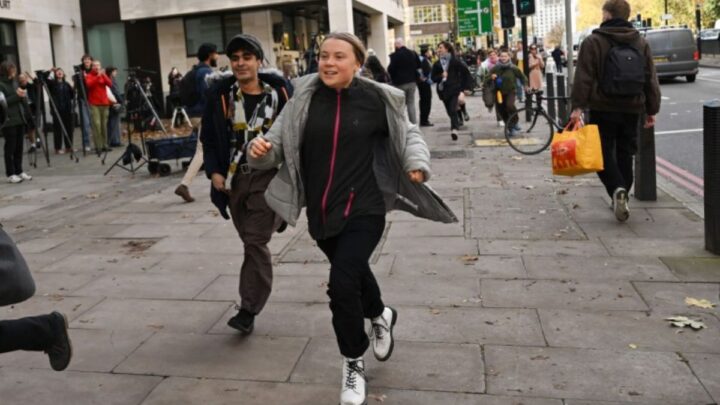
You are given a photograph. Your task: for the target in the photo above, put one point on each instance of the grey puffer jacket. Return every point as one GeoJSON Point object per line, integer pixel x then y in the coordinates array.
{"type": "Point", "coordinates": [403, 151]}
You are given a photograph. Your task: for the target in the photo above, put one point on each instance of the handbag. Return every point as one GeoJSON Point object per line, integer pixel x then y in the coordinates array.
{"type": "Point", "coordinates": [577, 150]}
{"type": "Point", "coordinates": [16, 282]}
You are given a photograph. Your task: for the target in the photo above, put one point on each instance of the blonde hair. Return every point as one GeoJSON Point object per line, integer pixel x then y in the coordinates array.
{"type": "Point", "coordinates": [357, 45]}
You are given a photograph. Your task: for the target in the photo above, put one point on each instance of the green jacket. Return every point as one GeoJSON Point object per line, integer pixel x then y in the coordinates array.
{"type": "Point", "coordinates": [510, 75]}
{"type": "Point", "coordinates": [14, 102]}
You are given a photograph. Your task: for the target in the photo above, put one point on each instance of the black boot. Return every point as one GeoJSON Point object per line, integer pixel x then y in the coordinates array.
{"type": "Point", "coordinates": [244, 321]}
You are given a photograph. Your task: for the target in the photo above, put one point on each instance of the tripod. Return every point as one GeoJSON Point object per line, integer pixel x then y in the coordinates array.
{"type": "Point", "coordinates": [56, 116]}
{"type": "Point", "coordinates": [38, 121]}
{"type": "Point", "coordinates": [180, 110]}
{"type": "Point", "coordinates": [81, 101]}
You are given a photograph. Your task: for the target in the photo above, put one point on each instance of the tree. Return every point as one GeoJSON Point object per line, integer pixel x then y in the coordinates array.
{"type": "Point", "coordinates": [555, 35]}
{"type": "Point", "coordinates": [711, 12]}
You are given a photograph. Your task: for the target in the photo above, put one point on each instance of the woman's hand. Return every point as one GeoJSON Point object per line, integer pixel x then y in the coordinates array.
{"type": "Point", "coordinates": [20, 92]}
{"type": "Point", "coordinates": [218, 183]}
{"type": "Point", "coordinates": [260, 147]}
{"type": "Point", "coordinates": [416, 176]}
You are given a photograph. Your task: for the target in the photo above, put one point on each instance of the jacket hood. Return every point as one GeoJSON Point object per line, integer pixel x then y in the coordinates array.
{"type": "Point", "coordinates": [619, 30]}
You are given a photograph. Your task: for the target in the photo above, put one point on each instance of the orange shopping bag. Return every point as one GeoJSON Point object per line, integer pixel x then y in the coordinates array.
{"type": "Point", "coordinates": [577, 150]}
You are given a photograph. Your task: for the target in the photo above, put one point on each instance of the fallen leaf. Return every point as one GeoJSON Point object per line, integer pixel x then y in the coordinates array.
{"type": "Point", "coordinates": [468, 259]}
{"type": "Point", "coordinates": [632, 346]}
{"type": "Point", "coordinates": [684, 321]}
{"type": "Point", "coordinates": [529, 187]}
{"type": "Point", "coordinates": [378, 398]}
{"type": "Point", "coordinates": [542, 212]}
{"type": "Point", "coordinates": [435, 311]}
{"type": "Point", "coordinates": [517, 158]}
{"type": "Point", "coordinates": [158, 327]}
{"type": "Point", "coordinates": [700, 303]}
{"type": "Point", "coordinates": [92, 196]}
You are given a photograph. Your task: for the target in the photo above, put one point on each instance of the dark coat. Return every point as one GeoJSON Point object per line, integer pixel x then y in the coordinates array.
{"type": "Point", "coordinates": [14, 102]}
{"type": "Point", "coordinates": [458, 80]}
{"type": "Point", "coordinates": [62, 94]}
{"type": "Point", "coordinates": [403, 67]}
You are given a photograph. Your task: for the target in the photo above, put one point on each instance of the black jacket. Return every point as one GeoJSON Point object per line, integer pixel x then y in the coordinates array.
{"type": "Point", "coordinates": [458, 78]}
{"type": "Point", "coordinates": [404, 64]}
{"type": "Point", "coordinates": [62, 94]}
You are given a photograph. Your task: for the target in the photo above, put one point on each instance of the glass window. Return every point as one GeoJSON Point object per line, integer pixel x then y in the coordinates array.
{"type": "Point", "coordinates": [214, 29]}
{"type": "Point", "coordinates": [233, 26]}
{"type": "Point", "coordinates": [428, 14]}
{"type": "Point", "coordinates": [106, 42]}
{"type": "Point", "coordinates": [8, 43]}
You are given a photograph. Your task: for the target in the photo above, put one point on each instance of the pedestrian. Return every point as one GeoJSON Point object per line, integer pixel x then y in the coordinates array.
{"type": "Point", "coordinates": [207, 55]}
{"type": "Point", "coordinates": [113, 126]}
{"type": "Point", "coordinates": [83, 69]}
{"type": "Point", "coordinates": [376, 71]}
{"type": "Point", "coordinates": [173, 99]}
{"type": "Point", "coordinates": [46, 333]}
{"type": "Point", "coordinates": [29, 107]}
{"type": "Point", "coordinates": [615, 101]}
{"type": "Point", "coordinates": [349, 167]}
{"type": "Point", "coordinates": [557, 55]}
{"type": "Point", "coordinates": [536, 66]}
{"type": "Point", "coordinates": [452, 78]}
{"type": "Point", "coordinates": [14, 129]}
{"type": "Point", "coordinates": [96, 84]}
{"type": "Point", "coordinates": [238, 108]}
{"type": "Point", "coordinates": [424, 85]}
{"type": "Point", "coordinates": [518, 60]}
{"type": "Point", "coordinates": [403, 69]}
{"type": "Point", "coordinates": [505, 77]}
{"type": "Point", "coordinates": [62, 95]}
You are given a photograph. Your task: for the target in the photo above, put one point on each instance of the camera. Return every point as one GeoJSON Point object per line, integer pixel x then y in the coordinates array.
{"type": "Point", "coordinates": [43, 75]}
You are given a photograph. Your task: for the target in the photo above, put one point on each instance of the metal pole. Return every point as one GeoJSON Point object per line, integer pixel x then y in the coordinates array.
{"type": "Point", "coordinates": [562, 104]}
{"type": "Point", "coordinates": [711, 174]}
{"type": "Point", "coordinates": [526, 63]}
{"type": "Point", "coordinates": [569, 40]}
{"type": "Point", "coordinates": [698, 22]}
{"type": "Point", "coordinates": [505, 38]}
{"type": "Point", "coordinates": [550, 91]}
{"type": "Point", "coordinates": [666, 11]}
{"type": "Point", "coordinates": [645, 173]}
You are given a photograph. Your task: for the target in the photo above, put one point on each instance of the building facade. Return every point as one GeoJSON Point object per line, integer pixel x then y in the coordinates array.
{"type": "Point", "coordinates": [430, 21]}
{"type": "Point", "coordinates": [549, 14]}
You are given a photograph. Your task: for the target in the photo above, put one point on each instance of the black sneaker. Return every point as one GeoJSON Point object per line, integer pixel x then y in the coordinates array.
{"type": "Point", "coordinates": [283, 226]}
{"type": "Point", "coordinates": [60, 352]}
{"type": "Point", "coordinates": [427, 124]}
{"type": "Point", "coordinates": [244, 321]}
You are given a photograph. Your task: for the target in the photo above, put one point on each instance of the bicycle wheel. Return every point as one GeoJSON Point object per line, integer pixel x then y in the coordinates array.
{"type": "Point", "coordinates": [529, 137]}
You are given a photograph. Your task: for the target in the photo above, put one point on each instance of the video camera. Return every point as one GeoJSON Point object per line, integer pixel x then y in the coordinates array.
{"type": "Point", "coordinates": [43, 75]}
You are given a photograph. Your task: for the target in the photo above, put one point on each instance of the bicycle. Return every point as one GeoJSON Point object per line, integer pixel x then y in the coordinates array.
{"type": "Point", "coordinates": [536, 137]}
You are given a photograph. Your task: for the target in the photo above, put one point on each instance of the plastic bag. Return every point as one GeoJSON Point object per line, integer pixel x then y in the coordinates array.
{"type": "Point", "coordinates": [577, 150]}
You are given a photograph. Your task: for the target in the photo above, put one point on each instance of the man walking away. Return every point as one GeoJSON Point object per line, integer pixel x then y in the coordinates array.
{"type": "Point", "coordinates": [403, 69]}
{"type": "Point", "coordinates": [424, 85]}
{"type": "Point", "coordinates": [616, 81]}
{"type": "Point", "coordinates": [239, 108]}
{"type": "Point", "coordinates": [192, 94]}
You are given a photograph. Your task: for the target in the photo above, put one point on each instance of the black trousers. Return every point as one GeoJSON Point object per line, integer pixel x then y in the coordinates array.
{"type": "Point", "coordinates": [58, 137]}
{"type": "Point", "coordinates": [425, 91]}
{"type": "Point", "coordinates": [451, 107]}
{"type": "Point", "coordinates": [353, 291]}
{"type": "Point", "coordinates": [507, 108]}
{"type": "Point", "coordinates": [14, 137]}
{"type": "Point", "coordinates": [33, 333]}
{"type": "Point", "coordinates": [618, 135]}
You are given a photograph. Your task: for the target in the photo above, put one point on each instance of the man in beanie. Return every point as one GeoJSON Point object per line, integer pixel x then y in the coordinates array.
{"type": "Point", "coordinates": [240, 107]}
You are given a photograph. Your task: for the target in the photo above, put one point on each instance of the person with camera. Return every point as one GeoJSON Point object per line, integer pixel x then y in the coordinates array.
{"type": "Point", "coordinates": [62, 95]}
{"type": "Point", "coordinates": [239, 108]}
{"type": "Point", "coordinates": [113, 125]}
{"type": "Point", "coordinates": [96, 83]}
{"type": "Point", "coordinates": [81, 70]}
{"type": "Point", "coordinates": [29, 107]}
{"type": "Point", "coordinates": [14, 129]}
{"type": "Point", "coordinates": [193, 88]}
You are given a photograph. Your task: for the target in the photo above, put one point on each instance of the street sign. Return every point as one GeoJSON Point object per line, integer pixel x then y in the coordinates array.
{"type": "Point", "coordinates": [474, 17]}
{"type": "Point", "coordinates": [666, 17]}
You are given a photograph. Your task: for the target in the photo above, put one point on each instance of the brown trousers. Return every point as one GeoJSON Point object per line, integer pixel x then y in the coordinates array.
{"type": "Point", "coordinates": [255, 223]}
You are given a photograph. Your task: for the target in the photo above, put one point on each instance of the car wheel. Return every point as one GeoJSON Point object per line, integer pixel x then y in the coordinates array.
{"type": "Point", "coordinates": [690, 78]}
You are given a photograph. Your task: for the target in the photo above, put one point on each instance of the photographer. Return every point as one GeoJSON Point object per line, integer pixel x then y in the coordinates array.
{"type": "Point", "coordinates": [113, 126]}
{"type": "Point", "coordinates": [62, 94]}
{"type": "Point", "coordinates": [96, 82]}
{"type": "Point", "coordinates": [83, 108]}
{"type": "Point", "coordinates": [14, 129]}
{"type": "Point", "coordinates": [29, 107]}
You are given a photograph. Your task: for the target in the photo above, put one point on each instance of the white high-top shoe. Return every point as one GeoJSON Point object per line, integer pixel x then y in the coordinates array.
{"type": "Point", "coordinates": [382, 336]}
{"type": "Point", "coordinates": [354, 385]}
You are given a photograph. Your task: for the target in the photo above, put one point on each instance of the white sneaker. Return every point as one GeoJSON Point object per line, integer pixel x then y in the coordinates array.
{"type": "Point", "coordinates": [382, 337]}
{"type": "Point", "coordinates": [354, 385]}
{"type": "Point", "coordinates": [620, 204]}
{"type": "Point", "coordinates": [15, 179]}
{"type": "Point", "coordinates": [501, 123]}
{"type": "Point", "coordinates": [25, 176]}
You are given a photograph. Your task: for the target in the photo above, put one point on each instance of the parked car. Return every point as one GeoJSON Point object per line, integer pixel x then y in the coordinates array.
{"type": "Point", "coordinates": [674, 52]}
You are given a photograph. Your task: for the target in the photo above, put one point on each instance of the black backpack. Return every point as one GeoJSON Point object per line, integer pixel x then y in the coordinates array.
{"type": "Point", "coordinates": [623, 71]}
{"type": "Point", "coordinates": [189, 94]}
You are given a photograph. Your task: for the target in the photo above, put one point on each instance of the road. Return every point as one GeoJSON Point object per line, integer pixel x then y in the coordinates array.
{"type": "Point", "coordinates": [678, 135]}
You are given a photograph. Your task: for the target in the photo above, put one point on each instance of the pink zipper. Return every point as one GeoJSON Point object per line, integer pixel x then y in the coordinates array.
{"type": "Point", "coordinates": [333, 156]}
{"type": "Point", "coordinates": [348, 207]}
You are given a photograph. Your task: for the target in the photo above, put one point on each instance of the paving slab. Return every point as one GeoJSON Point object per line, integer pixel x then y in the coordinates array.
{"type": "Point", "coordinates": [449, 245]}
{"type": "Point", "coordinates": [415, 366]}
{"type": "Point", "coordinates": [694, 247]}
{"type": "Point", "coordinates": [597, 295]}
{"type": "Point", "coordinates": [424, 228]}
{"type": "Point", "coordinates": [255, 358]}
{"type": "Point", "coordinates": [163, 230]}
{"type": "Point", "coordinates": [158, 218]}
{"type": "Point", "coordinates": [39, 245]}
{"type": "Point", "coordinates": [438, 291]}
{"type": "Point", "coordinates": [618, 330]}
{"type": "Point", "coordinates": [102, 264]}
{"type": "Point", "coordinates": [459, 266]}
{"type": "Point", "coordinates": [154, 315]}
{"type": "Point", "coordinates": [199, 263]}
{"type": "Point", "coordinates": [707, 369]}
{"type": "Point", "coordinates": [671, 296]}
{"type": "Point", "coordinates": [542, 248]}
{"type": "Point", "coordinates": [607, 229]}
{"type": "Point", "coordinates": [93, 350]}
{"type": "Point", "coordinates": [303, 250]}
{"type": "Point", "coordinates": [158, 286]}
{"type": "Point", "coordinates": [694, 268]}
{"type": "Point", "coordinates": [43, 387]}
{"type": "Point", "coordinates": [285, 319]}
{"type": "Point", "coordinates": [284, 289]}
{"type": "Point", "coordinates": [597, 268]}
{"type": "Point", "coordinates": [604, 375]}
{"type": "Point", "coordinates": [61, 283]}
{"type": "Point", "coordinates": [72, 307]}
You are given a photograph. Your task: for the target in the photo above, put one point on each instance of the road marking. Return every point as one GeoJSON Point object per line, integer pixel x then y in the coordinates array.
{"type": "Point", "coordinates": [682, 172]}
{"type": "Point", "coordinates": [709, 80]}
{"type": "Point", "coordinates": [680, 181]}
{"type": "Point", "coordinates": [665, 98]}
{"type": "Point", "coordinates": [679, 131]}
{"type": "Point", "coordinates": [680, 176]}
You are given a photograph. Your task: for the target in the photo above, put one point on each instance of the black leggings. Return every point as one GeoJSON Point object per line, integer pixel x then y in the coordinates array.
{"type": "Point", "coordinates": [353, 291]}
{"type": "Point", "coordinates": [58, 137]}
{"type": "Point", "coordinates": [14, 137]}
{"type": "Point", "coordinates": [33, 333]}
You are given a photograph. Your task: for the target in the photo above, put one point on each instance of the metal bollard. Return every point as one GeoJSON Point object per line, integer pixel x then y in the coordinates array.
{"type": "Point", "coordinates": [550, 92]}
{"type": "Point", "coordinates": [645, 173]}
{"type": "Point", "coordinates": [562, 112]}
{"type": "Point", "coordinates": [711, 174]}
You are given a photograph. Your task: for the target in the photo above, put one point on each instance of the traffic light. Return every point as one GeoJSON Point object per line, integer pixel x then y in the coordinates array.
{"type": "Point", "coordinates": [525, 7]}
{"type": "Point", "coordinates": [507, 14]}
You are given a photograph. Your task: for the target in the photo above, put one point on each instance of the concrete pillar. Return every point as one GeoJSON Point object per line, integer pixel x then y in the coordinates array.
{"type": "Point", "coordinates": [340, 13]}
{"type": "Point", "coordinates": [259, 24]}
{"type": "Point", "coordinates": [35, 51]}
{"type": "Point", "coordinates": [379, 39]}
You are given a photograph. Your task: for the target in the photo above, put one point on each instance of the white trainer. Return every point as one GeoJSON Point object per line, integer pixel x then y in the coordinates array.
{"type": "Point", "coordinates": [354, 384]}
{"type": "Point", "coordinates": [15, 179]}
{"type": "Point", "coordinates": [382, 337]}
{"type": "Point", "coordinates": [25, 176]}
{"type": "Point", "coordinates": [620, 204]}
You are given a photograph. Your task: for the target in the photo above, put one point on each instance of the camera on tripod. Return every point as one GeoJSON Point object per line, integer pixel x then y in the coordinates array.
{"type": "Point", "coordinates": [43, 75]}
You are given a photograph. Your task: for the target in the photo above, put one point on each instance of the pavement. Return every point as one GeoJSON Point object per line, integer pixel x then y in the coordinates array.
{"type": "Point", "coordinates": [709, 60]}
{"type": "Point", "coordinates": [538, 296]}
